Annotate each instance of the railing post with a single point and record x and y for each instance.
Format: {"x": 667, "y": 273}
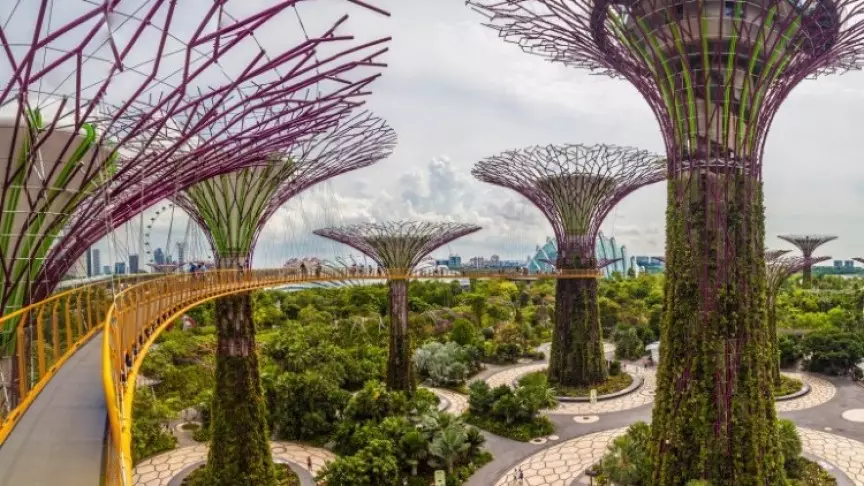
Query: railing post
{"x": 40, "y": 341}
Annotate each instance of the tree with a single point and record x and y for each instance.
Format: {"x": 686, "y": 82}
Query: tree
{"x": 628, "y": 460}
{"x": 478, "y": 304}
{"x": 449, "y": 444}
{"x": 832, "y": 351}
{"x": 305, "y": 406}
{"x": 373, "y": 465}
{"x": 463, "y": 332}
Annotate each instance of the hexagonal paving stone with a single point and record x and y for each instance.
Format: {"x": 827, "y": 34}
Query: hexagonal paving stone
{"x": 158, "y": 470}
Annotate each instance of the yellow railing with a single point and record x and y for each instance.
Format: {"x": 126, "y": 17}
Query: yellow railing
{"x": 141, "y": 312}
{"x": 39, "y": 338}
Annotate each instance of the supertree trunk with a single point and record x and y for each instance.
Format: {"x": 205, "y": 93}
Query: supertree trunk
{"x": 576, "y": 357}
{"x": 773, "y": 347}
{"x": 239, "y": 448}
{"x": 807, "y": 277}
{"x": 714, "y": 413}
{"x": 399, "y": 375}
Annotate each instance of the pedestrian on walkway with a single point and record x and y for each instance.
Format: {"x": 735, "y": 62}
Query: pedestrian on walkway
{"x": 521, "y": 477}
{"x": 309, "y": 463}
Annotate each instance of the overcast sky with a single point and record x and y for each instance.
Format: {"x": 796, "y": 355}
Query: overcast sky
{"x": 455, "y": 93}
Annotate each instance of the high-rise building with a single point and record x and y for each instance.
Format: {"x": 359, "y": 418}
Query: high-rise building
{"x": 97, "y": 263}
{"x": 181, "y": 253}
{"x": 89, "y": 263}
{"x": 120, "y": 268}
{"x": 133, "y": 264}
{"x": 159, "y": 256}
{"x": 106, "y": 270}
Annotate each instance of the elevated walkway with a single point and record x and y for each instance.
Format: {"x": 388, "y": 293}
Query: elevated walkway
{"x": 60, "y": 440}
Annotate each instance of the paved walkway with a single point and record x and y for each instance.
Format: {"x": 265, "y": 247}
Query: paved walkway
{"x": 457, "y": 402}
{"x": 559, "y": 465}
{"x": 159, "y": 470}
{"x": 59, "y": 440}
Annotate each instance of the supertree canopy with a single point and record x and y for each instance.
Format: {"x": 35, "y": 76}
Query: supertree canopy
{"x": 232, "y": 208}
{"x": 778, "y": 269}
{"x": 208, "y": 118}
{"x": 398, "y": 248}
{"x": 575, "y": 186}
{"x": 714, "y": 73}
{"x": 807, "y": 244}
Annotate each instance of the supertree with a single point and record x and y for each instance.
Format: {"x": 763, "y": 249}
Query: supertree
{"x": 277, "y": 99}
{"x": 714, "y": 74}
{"x": 575, "y": 186}
{"x": 231, "y": 209}
{"x": 807, "y": 244}
{"x": 778, "y": 269}
{"x": 398, "y": 248}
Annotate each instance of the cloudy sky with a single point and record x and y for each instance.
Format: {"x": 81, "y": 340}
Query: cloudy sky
{"x": 455, "y": 93}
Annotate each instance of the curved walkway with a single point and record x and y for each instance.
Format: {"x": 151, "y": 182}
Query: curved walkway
{"x": 559, "y": 465}
{"x": 62, "y": 435}
{"x": 821, "y": 391}
{"x": 159, "y": 470}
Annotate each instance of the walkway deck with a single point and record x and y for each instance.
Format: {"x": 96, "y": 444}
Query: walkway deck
{"x": 60, "y": 439}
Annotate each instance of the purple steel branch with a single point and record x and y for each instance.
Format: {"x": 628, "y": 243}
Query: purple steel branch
{"x": 573, "y": 185}
{"x": 358, "y": 141}
{"x": 179, "y": 139}
{"x": 398, "y": 247}
{"x": 781, "y": 268}
{"x": 604, "y": 36}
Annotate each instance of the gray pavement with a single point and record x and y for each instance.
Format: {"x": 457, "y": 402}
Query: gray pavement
{"x": 59, "y": 440}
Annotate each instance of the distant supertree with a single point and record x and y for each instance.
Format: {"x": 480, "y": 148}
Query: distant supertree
{"x": 714, "y": 74}
{"x": 778, "y": 269}
{"x": 575, "y": 186}
{"x": 771, "y": 255}
{"x": 398, "y": 248}
{"x": 807, "y": 244}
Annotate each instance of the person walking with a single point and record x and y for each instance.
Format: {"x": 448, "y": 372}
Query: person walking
{"x": 309, "y": 463}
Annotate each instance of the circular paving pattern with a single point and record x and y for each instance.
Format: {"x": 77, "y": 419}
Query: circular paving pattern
{"x": 642, "y": 396}
{"x": 854, "y": 415}
{"x": 559, "y": 465}
{"x": 458, "y": 402}
{"x": 158, "y": 470}
{"x": 820, "y": 392}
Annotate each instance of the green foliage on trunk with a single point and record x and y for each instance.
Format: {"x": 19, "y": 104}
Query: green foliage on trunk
{"x": 240, "y": 449}
{"x": 714, "y": 415}
{"x": 576, "y": 357}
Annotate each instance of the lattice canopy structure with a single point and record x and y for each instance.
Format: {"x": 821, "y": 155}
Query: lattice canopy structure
{"x": 807, "y": 244}
{"x": 232, "y": 208}
{"x": 714, "y": 73}
{"x": 771, "y": 255}
{"x": 575, "y": 186}
{"x": 398, "y": 247}
{"x": 161, "y": 103}
{"x": 778, "y": 269}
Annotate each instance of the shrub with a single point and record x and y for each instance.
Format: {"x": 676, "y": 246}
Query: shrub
{"x": 789, "y": 442}
{"x": 628, "y": 344}
{"x": 615, "y": 368}
{"x": 629, "y": 460}
{"x": 790, "y": 349}
{"x": 446, "y": 364}
{"x": 463, "y": 332}
{"x": 831, "y": 351}
{"x": 488, "y": 333}
{"x": 149, "y": 433}
{"x": 512, "y": 412}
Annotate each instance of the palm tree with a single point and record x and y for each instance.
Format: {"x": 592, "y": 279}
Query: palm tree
{"x": 414, "y": 445}
{"x": 449, "y": 445}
